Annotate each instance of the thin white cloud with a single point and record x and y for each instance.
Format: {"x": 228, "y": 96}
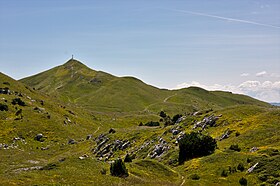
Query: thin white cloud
{"x": 261, "y": 74}
{"x": 266, "y": 91}
{"x": 225, "y": 18}
{"x": 275, "y": 75}
{"x": 244, "y": 74}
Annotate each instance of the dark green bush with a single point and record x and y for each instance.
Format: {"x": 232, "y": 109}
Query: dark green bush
{"x": 195, "y": 177}
{"x": 162, "y": 114}
{"x": 243, "y": 181}
{"x": 127, "y": 158}
{"x": 152, "y": 124}
{"x": 49, "y": 166}
{"x": 176, "y": 117}
{"x": 240, "y": 167}
{"x": 118, "y": 168}
{"x": 103, "y": 171}
{"x": 3, "y": 107}
{"x": 18, "y": 101}
{"x": 195, "y": 145}
{"x": 235, "y": 148}
{"x": 224, "y": 173}
{"x": 263, "y": 177}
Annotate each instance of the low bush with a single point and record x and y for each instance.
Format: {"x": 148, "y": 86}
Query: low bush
{"x": 243, "y": 181}
{"x": 195, "y": 177}
{"x": 235, "y": 148}
{"x": 18, "y": 101}
{"x": 240, "y": 167}
{"x": 118, "y": 168}
{"x": 152, "y": 124}
{"x": 3, "y": 107}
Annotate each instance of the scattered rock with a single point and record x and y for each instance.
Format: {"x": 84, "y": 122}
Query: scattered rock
{"x": 252, "y": 168}
{"x": 39, "y": 137}
{"x": 112, "y": 131}
{"x": 29, "y": 169}
{"x": 83, "y": 157}
{"x": 254, "y": 149}
{"x": 5, "y": 90}
{"x": 225, "y": 135}
{"x": 175, "y": 132}
{"x": 44, "y": 148}
{"x": 33, "y": 161}
{"x": 71, "y": 141}
{"x": 89, "y": 137}
{"x": 62, "y": 159}
{"x": 39, "y": 109}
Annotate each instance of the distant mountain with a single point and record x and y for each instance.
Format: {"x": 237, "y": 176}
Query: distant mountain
{"x": 76, "y": 83}
{"x": 275, "y": 104}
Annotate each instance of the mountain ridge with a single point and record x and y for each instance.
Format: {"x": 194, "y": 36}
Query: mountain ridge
{"x": 97, "y": 90}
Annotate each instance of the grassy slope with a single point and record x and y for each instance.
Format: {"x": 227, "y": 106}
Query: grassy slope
{"x": 258, "y": 126}
{"x": 72, "y": 170}
{"x": 74, "y": 82}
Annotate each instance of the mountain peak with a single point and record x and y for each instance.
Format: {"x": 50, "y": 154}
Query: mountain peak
{"x": 73, "y": 62}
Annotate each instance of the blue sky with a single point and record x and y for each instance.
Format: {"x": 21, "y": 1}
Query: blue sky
{"x": 217, "y": 44}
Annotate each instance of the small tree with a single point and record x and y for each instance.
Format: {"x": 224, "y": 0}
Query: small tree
{"x": 3, "y": 107}
{"x": 243, "y": 181}
{"x": 162, "y": 114}
{"x": 118, "y": 168}
{"x": 127, "y": 158}
{"x": 195, "y": 145}
{"x": 240, "y": 167}
{"x": 176, "y": 117}
{"x": 18, "y": 101}
{"x": 235, "y": 148}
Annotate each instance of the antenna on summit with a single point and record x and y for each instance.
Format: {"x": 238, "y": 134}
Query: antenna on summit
{"x": 72, "y": 57}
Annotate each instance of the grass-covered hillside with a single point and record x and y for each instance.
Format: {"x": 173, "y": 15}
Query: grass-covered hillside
{"x": 74, "y": 82}
{"x": 67, "y": 126}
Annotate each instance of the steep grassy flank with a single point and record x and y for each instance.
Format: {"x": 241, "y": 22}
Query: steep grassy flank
{"x": 75, "y": 83}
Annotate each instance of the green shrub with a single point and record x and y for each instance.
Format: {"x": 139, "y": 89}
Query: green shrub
{"x": 18, "y": 101}
{"x": 176, "y": 117}
{"x": 127, "y": 158}
{"x": 240, "y": 167}
{"x": 3, "y": 107}
{"x": 103, "y": 171}
{"x": 243, "y": 181}
{"x": 118, "y": 168}
{"x": 263, "y": 177}
{"x": 49, "y": 166}
{"x": 235, "y": 148}
{"x": 162, "y": 114}
{"x": 195, "y": 145}
{"x": 152, "y": 124}
{"x": 195, "y": 177}
{"x": 224, "y": 173}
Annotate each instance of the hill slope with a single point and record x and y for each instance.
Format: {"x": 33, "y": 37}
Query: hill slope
{"x": 56, "y": 160}
{"x": 74, "y": 82}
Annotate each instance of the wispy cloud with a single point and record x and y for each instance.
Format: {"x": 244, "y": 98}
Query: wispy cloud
{"x": 261, "y": 74}
{"x": 225, "y": 18}
{"x": 267, "y": 91}
{"x": 244, "y": 74}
